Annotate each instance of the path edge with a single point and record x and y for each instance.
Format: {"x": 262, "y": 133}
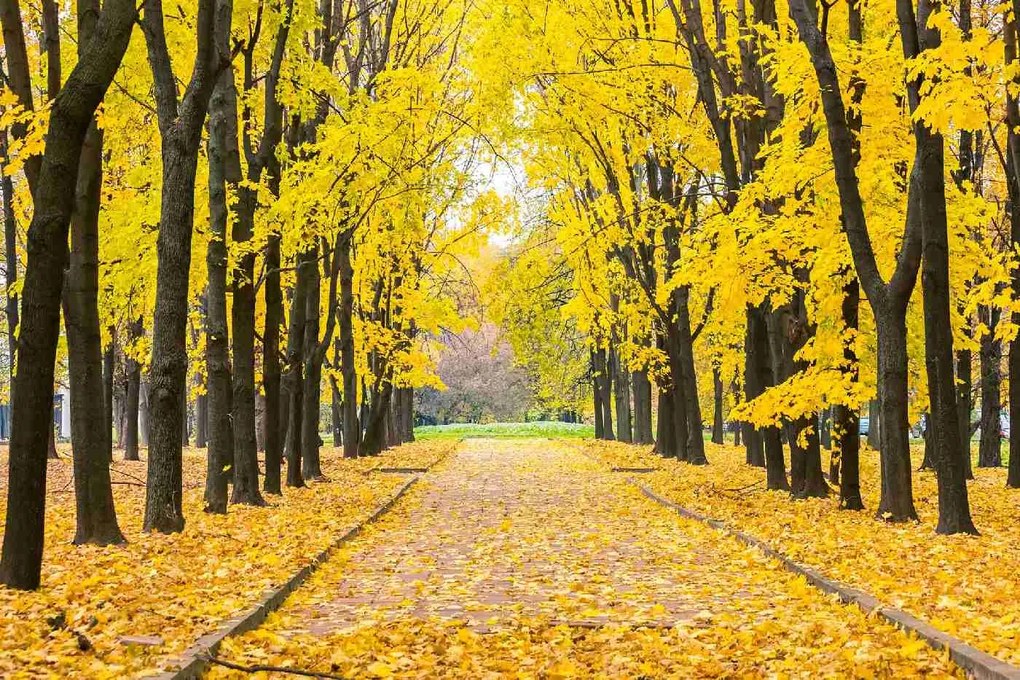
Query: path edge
{"x": 195, "y": 660}
{"x": 973, "y": 661}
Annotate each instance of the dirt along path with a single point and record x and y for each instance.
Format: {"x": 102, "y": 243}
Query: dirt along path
{"x": 524, "y": 558}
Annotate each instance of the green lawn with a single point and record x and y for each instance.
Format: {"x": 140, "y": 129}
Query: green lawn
{"x": 505, "y": 430}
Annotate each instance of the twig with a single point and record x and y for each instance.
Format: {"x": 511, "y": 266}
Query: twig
{"x": 271, "y": 669}
{"x": 747, "y": 486}
{"x": 130, "y": 476}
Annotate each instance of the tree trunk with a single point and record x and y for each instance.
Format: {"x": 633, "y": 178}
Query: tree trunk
{"x": 201, "y": 421}
{"x": 846, "y": 421}
{"x": 293, "y": 380}
{"x": 896, "y": 502}
{"x": 336, "y": 412}
{"x": 271, "y": 366}
{"x": 875, "y": 425}
{"x": 32, "y": 407}
{"x": 90, "y": 398}
{"x": 242, "y": 318}
{"x": 11, "y": 261}
{"x": 131, "y": 398}
{"x": 990, "y": 448}
{"x": 692, "y": 405}
{"x": 621, "y": 380}
{"x": 718, "y": 424}
{"x": 596, "y": 391}
{"x": 642, "y": 388}
{"x": 313, "y": 374}
{"x": 109, "y": 367}
{"x": 1013, "y": 185}
{"x": 352, "y": 427}
{"x": 665, "y": 437}
{"x": 951, "y": 460}
{"x": 604, "y": 384}
{"x": 757, "y": 380}
{"x": 181, "y": 133}
{"x": 964, "y": 405}
{"x": 220, "y": 451}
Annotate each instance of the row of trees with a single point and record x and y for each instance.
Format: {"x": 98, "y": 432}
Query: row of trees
{"x": 746, "y": 195}
{"x": 262, "y": 198}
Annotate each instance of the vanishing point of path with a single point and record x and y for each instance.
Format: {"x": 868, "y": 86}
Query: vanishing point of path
{"x": 525, "y": 558}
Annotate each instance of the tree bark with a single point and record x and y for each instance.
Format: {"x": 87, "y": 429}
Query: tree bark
{"x": 718, "y": 424}
{"x": 109, "y": 368}
{"x": 271, "y": 366}
{"x": 965, "y": 406}
{"x": 202, "y": 421}
{"x": 642, "y": 388}
{"x": 32, "y": 407}
{"x": 312, "y": 391}
{"x": 846, "y": 421}
{"x": 621, "y": 380}
{"x": 1013, "y": 184}
{"x": 180, "y": 126}
{"x": 131, "y": 398}
{"x": 91, "y": 401}
{"x": 352, "y": 426}
{"x": 990, "y": 448}
{"x": 293, "y": 380}
{"x": 224, "y": 168}
{"x": 11, "y": 261}
{"x": 757, "y": 380}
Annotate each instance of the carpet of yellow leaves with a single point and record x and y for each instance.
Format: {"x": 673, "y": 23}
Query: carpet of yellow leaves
{"x": 526, "y": 559}
{"x": 174, "y": 588}
{"x": 966, "y": 586}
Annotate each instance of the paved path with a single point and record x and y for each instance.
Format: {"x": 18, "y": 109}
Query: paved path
{"x": 512, "y": 534}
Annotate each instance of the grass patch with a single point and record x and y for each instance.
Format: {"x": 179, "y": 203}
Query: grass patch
{"x": 543, "y": 428}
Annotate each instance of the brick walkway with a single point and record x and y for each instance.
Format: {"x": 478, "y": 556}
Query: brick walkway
{"x": 511, "y": 538}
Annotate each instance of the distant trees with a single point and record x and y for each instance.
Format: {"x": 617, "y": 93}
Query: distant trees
{"x": 482, "y": 384}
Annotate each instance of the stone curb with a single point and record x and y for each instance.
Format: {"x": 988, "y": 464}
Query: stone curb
{"x": 195, "y": 660}
{"x": 976, "y": 663}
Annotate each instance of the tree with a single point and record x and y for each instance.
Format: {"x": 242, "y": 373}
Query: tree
{"x": 70, "y": 117}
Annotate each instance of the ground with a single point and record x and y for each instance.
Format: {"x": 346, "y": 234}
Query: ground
{"x": 124, "y": 611}
{"x": 530, "y": 558}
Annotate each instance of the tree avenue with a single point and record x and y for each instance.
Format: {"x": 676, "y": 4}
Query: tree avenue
{"x": 249, "y": 222}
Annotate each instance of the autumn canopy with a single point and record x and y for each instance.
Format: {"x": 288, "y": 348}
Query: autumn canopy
{"x": 290, "y": 231}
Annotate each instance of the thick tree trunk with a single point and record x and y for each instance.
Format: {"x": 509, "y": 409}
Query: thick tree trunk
{"x": 951, "y": 460}
{"x": 223, "y": 167}
{"x": 91, "y": 443}
{"x": 375, "y": 430}
{"x": 180, "y": 131}
{"x": 757, "y": 380}
{"x": 896, "y": 502}
{"x": 692, "y": 404}
{"x": 642, "y": 388}
{"x": 665, "y": 437}
{"x": 875, "y": 425}
{"x": 32, "y": 408}
{"x": 990, "y": 448}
